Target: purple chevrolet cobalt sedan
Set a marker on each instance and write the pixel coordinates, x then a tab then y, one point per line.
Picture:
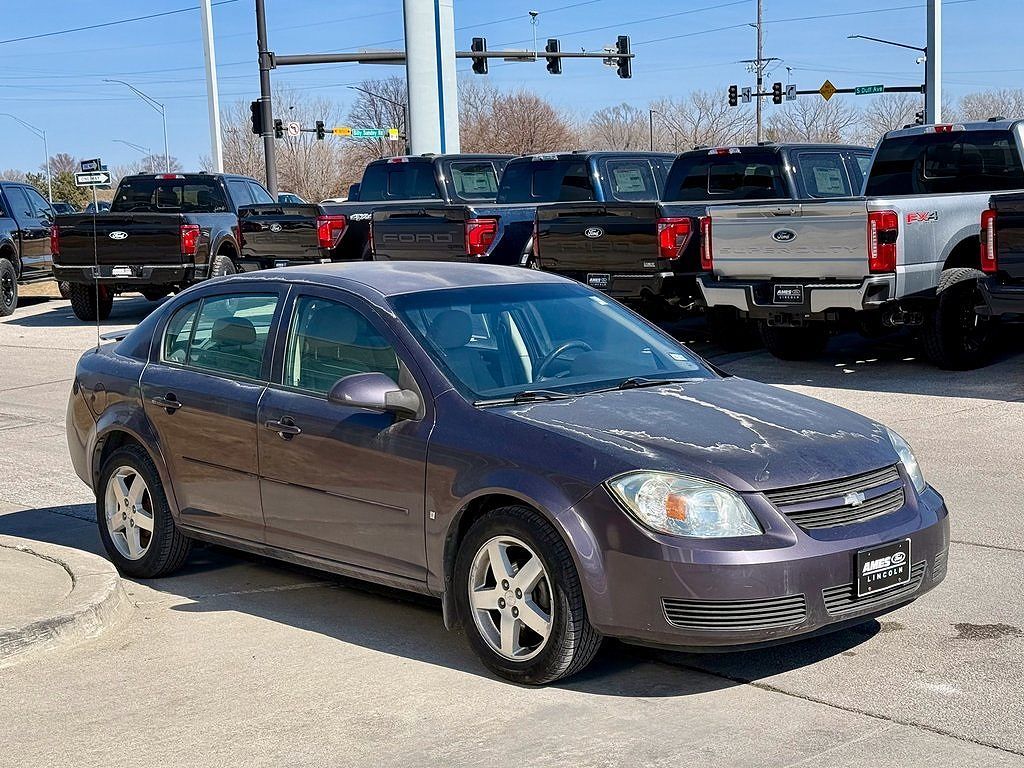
550	465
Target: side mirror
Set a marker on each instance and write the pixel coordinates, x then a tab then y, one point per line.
353	192
375	391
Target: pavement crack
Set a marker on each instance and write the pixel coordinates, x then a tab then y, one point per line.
986	546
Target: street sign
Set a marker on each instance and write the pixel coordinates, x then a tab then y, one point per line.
369	133
92	179
864	90
89	166
827	90
294	129
745	95
341	130
393	134
791	92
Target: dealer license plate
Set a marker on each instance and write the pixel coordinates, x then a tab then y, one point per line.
884	567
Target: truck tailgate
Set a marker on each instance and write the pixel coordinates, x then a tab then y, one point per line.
597	237
282	231
120	238
420	232
826	239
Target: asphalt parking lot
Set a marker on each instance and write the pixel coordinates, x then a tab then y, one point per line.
239	659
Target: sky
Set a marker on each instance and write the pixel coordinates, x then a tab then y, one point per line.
56	81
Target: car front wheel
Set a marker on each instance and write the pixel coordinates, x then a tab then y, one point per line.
520	600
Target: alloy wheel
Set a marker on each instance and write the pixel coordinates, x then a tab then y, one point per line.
7	289
510	598
128	509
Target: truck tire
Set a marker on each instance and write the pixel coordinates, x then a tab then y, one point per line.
154	293
64	288
795	343
222	265
8	287
730	331
85	305
955	336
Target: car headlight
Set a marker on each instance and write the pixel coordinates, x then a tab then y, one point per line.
908	460
684	506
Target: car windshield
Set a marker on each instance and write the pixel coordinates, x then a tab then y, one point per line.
540	340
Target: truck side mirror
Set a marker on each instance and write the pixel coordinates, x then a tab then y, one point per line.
376	392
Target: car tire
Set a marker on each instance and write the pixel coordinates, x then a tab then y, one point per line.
64	289
222	265
87	305
804	343
730	331
165	547
8	288
570	643
955	336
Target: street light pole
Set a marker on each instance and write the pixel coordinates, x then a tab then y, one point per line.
46	150
146	151
400	105
159	108
931	81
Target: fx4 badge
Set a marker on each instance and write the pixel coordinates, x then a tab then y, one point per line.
916	216
360	217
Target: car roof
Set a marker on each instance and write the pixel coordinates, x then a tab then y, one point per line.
974	125
586	155
774	147
394	278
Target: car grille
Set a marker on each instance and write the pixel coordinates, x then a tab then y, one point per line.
843	598
823	505
736	615
939	568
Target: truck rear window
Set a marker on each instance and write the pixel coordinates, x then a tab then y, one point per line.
474	180
150	195
632	180
399	181
936	163
737	176
545	181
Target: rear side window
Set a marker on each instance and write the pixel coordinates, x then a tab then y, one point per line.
399	181
474	181
546	181
222	334
735	176
631	180
823	174
240	192
936	163
169	196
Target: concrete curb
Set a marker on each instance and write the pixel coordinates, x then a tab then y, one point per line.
96	601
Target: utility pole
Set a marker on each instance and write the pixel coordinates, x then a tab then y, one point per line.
46	150
933	64
759	68
212	95
265	105
159	107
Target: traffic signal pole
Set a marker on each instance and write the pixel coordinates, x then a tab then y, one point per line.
933	64
759	64
266	64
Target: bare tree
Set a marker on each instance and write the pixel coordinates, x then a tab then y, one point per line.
518	122
62	162
813	119
981	105
12	174
887	112
621	127
379	104
701	119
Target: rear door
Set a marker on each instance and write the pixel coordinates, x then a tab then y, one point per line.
201	392
34	218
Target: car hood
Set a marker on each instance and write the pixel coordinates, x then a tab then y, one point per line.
746	435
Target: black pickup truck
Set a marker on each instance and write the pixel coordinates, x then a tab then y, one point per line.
26	221
646	252
501	232
163	232
283	233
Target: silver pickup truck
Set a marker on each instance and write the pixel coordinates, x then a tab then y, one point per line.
904	254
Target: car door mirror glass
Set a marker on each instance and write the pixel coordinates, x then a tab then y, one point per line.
376	392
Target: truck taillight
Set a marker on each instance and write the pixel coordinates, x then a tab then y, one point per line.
329	229
54	239
189	239
989	260
673	235
883	231
480	234
707	260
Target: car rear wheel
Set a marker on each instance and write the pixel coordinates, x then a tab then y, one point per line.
804	343
90	303
135	521
8	288
520	600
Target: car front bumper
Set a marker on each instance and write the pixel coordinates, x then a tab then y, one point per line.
714	595
754	297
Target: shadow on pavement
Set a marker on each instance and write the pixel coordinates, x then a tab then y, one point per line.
128	310
403	624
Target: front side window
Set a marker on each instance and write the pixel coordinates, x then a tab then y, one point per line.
40	208
240	192
222	334
496	341
328	341
260	195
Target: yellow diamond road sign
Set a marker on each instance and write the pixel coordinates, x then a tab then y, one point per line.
342	130
827	90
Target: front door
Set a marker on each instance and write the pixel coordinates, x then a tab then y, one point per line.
202	395
34	218
342	483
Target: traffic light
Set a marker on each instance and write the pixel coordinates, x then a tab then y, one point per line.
625	68
257	116
320	130
776	93
479	62
919	117
278	129
734	95
554	62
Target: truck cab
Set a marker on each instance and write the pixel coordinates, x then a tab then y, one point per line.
26	253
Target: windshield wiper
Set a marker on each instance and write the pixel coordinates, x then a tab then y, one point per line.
636	382
526	396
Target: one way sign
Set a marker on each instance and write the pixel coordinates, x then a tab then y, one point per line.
93	179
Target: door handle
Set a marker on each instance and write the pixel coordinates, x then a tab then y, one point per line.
286	428
168	402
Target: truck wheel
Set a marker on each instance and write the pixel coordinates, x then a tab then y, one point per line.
955	336
795	343
730	331
222	265
154	293
64	288
85	305
8	288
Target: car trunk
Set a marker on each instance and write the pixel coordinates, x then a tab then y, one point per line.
120	238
